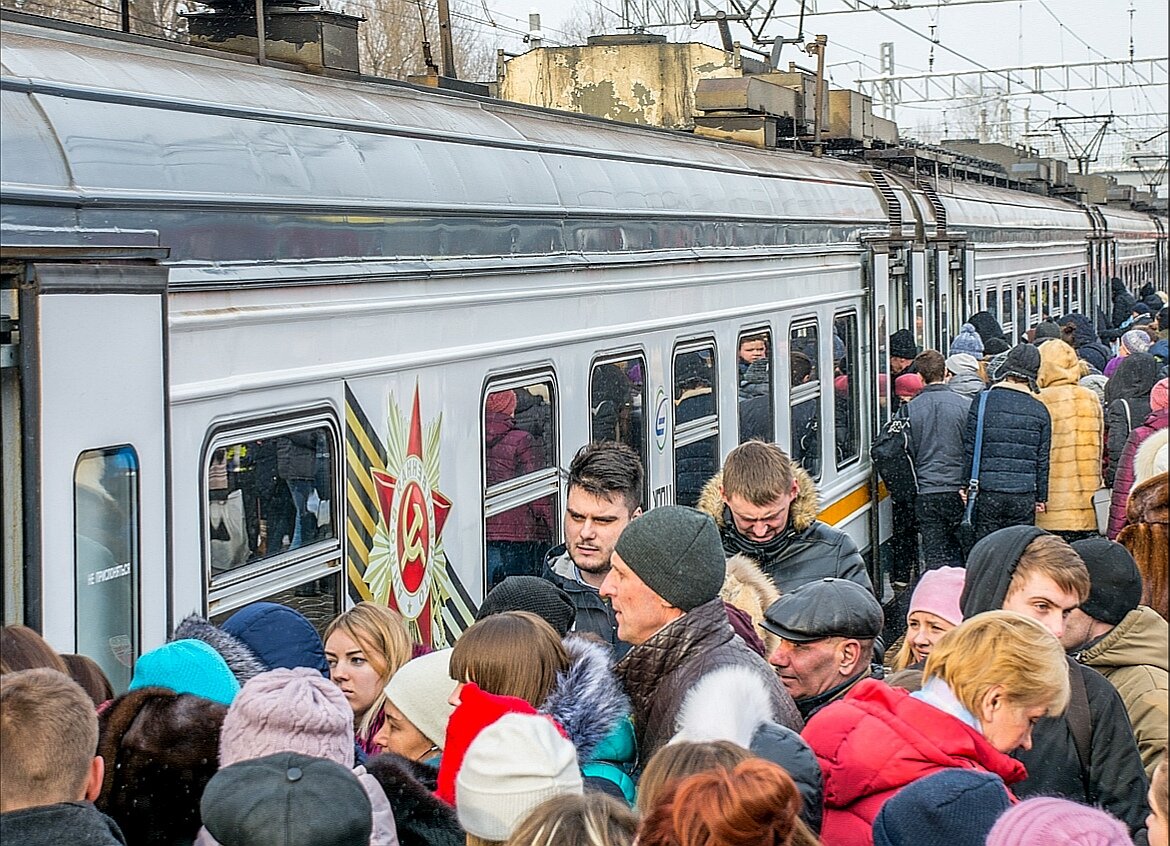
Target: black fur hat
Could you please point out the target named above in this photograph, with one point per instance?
(160, 750)
(422, 818)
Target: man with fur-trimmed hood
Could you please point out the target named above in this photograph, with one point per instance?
(766, 508)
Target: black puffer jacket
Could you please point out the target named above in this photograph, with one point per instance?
(594, 614)
(658, 674)
(1123, 303)
(1127, 404)
(1077, 330)
(1017, 435)
(1114, 779)
(806, 551)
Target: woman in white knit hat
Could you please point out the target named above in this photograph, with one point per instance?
(416, 710)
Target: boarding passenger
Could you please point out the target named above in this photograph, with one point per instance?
(984, 684)
(668, 568)
(1124, 641)
(904, 536)
(938, 419)
(1132, 341)
(934, 611)
(1127, 404)
(1056, 822)
(365, 646)
(605, 494)
(1156, 421)
(1088, 753)
(964, 375)
(1075, 452)
(1147, 521)
(591, 819)
(765, 507)
(1014, 454)
(50, 772)
(827, 630)
(952, 807)
(418, 706)
(1077, 331)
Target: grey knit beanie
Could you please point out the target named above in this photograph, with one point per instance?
(676, 551)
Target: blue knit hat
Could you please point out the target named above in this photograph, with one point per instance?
(956, 807)
(967, 341)
(187, 666)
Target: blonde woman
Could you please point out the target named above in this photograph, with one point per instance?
(985, 684)
(364, 647)
(934, 611)
(593, 819)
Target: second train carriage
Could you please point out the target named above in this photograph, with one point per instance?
(262, 326)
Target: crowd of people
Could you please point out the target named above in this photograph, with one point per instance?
(723, 675)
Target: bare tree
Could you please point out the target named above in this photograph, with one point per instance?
(392, 37)
(586, 18)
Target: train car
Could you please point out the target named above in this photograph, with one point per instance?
(265, 331)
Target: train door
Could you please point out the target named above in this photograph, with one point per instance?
(85, 364)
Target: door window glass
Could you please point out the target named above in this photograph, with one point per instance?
(805, 397)
(617, 402)
(105, 534)
(696, 421)
(846, 388)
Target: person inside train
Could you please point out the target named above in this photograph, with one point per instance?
(50, 772)
(605, 494)
(752, 348)
(364, 647)
(765, 507)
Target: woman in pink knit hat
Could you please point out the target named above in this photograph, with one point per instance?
(934, 611)
(1057, 822)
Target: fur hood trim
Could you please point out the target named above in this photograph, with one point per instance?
(748, 589)
(240, 658)
(419, 816)
(726, 704)
(1147, 463)
(587, 701)
(804, 507)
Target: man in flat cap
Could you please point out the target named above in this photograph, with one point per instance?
(664, 580)
(827, 630)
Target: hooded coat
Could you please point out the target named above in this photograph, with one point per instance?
(421, 817)
(1077, 330)
(239, 657)
(1147, 537)
(1017, 436)
(1133, 658)
(704, 717)
(805, 551)
(1127, 403)
(1123, 303)
(1123, 482)
(1115, 779)
(279, 636)
(877, 740)
(1074, 472)
(987, 327)
(658, 673)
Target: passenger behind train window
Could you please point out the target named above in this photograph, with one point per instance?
(696, 422)
(846, 389)
(804, 398)
(269, 495)
(754, 391)
(617, 402)
(517, 536)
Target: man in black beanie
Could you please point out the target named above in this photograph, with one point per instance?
(1088, 754)
(1012, 484)
(1123, 641)
(666, 572)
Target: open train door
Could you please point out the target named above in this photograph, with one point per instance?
(85, 449)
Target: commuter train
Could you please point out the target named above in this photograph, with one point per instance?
(264, 332)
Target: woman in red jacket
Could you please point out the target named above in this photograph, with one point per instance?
(985, 683)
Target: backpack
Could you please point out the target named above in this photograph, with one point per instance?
(890, 453)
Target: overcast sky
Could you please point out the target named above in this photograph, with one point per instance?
(1009, 33)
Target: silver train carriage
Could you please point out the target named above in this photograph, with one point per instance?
(261, 327)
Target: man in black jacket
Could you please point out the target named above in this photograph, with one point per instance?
(1088, 754)
(605, 494)
(1014, 455)
(50, 772)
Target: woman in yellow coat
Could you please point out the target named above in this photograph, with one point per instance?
(1077, 432)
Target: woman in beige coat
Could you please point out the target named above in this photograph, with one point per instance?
(1077, 432)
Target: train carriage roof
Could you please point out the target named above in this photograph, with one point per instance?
(216, 153)
(972, 206)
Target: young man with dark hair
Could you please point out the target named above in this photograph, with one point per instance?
(1088, 754)
(938, 418)
(50, 772)
(605, 494)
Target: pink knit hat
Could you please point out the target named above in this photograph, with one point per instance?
(907, 386)
(938, 593)
(288, 711)
(1158, 398)
(1057, 822)
(502, 402)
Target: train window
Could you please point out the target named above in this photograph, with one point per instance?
(1034, 300)
(696, 421)
(105, 537)
(617, 402)
(1021, 309)
(319, 599)
(522, 480)
(269, 495)
(1066, 298)
(846, 388)
(805, 397)
(754, 386)
(1006, 308)
(944, 323)
(919, 324)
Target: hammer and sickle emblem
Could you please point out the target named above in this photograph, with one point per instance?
(413, 549)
